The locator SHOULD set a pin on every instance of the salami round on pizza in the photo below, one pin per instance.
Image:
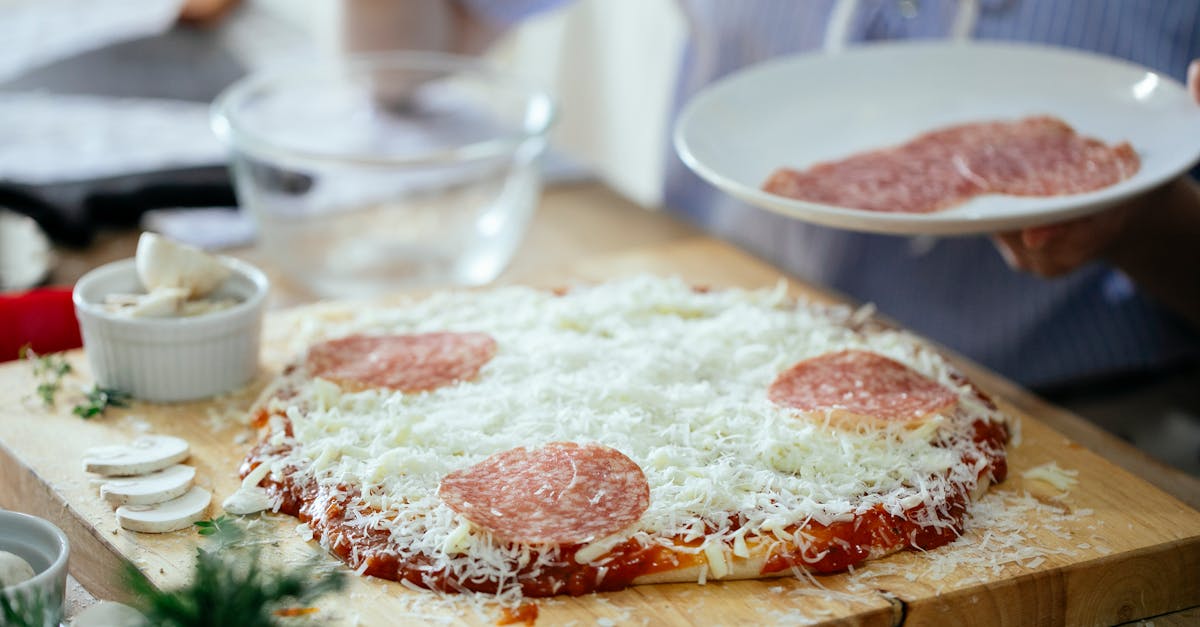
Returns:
(529, 443)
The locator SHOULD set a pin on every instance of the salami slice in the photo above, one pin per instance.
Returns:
(861, 382)
(1036, 156)
(561, 493)
(1044, 156)
(408, 363)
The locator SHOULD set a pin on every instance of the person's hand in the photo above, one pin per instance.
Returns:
(205, 12)
(1058, 249)
(1194, 80)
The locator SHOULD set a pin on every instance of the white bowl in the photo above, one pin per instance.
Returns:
(171, 359)
(46, 549)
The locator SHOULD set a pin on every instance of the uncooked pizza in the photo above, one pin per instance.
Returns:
(524, 442)
(1036, 156)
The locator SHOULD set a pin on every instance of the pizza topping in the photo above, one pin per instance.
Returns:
(561, 493)
(524, 613)
(407, 363)
(1062, 478)
(1036, 156)
(861, 382)
(673, 378)
(245, 501)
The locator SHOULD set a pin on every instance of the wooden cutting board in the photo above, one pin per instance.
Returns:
(1110, 549)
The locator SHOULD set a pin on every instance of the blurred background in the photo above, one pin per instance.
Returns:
(104, 105)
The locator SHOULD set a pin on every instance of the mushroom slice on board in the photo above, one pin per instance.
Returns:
(172, 515)
(144, 455)
(169, 483)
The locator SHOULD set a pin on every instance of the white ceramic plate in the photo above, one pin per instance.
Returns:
(801, 110)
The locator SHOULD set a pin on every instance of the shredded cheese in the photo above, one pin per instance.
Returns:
(1062, 479)
(674, 378)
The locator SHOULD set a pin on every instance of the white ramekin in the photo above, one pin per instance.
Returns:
(46, 548)
(171, 359)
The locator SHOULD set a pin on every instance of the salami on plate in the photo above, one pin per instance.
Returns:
(1036, 156)
(939, 137)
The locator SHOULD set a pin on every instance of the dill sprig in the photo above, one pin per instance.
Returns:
(231, 586)
(229, 589)
(30, 608)
(98, 400)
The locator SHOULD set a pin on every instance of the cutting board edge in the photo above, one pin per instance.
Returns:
(1074, 594)
(95, 562)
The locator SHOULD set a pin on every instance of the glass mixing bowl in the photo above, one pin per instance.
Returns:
(382, 172)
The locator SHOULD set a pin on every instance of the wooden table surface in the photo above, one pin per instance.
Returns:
(585, 221)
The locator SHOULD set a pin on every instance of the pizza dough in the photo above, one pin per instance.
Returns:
(631, 432)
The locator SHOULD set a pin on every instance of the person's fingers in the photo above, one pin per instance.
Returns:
(205, 12)
(1036, 237)
(1040, 250)
(1193, 80)
(1009, 244)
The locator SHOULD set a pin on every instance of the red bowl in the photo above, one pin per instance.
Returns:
(43, 319)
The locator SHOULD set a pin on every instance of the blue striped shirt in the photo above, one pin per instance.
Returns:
(1092, 323)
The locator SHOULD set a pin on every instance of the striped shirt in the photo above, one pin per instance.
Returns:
(1039, 332)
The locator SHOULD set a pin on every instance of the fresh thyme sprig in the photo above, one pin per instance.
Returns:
(49, 370)
(98, 400)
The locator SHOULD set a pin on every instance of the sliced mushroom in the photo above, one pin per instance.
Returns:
(144, 455)
(156, 487)
(172, 515)
(161, 303)
(164, 263)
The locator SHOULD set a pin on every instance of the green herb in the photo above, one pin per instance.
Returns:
(28, 609)
(98, 400)
(231, 588)
(212, 526)
(224, 530)
(49, 370)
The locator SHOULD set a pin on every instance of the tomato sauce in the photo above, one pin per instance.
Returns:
(524, 613)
